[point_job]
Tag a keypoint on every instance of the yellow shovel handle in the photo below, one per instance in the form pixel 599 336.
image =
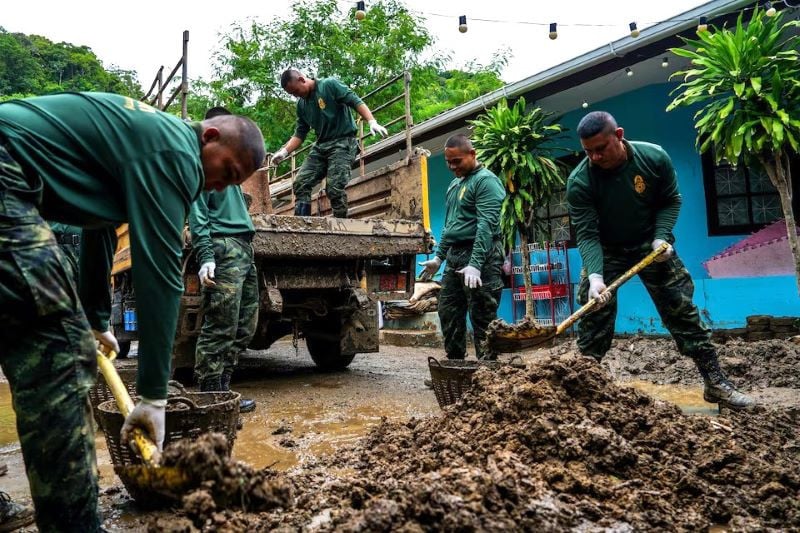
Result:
pixel 635 269
pixel 147 448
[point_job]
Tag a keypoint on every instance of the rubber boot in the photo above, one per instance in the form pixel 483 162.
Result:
pixel 246 405
pixel 13 515
pixel 717 388
pixel 302 209
pixel 210 384
pixel 340 213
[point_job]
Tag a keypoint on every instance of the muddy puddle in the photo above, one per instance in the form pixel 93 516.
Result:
pixel 8 427
pixel 688 399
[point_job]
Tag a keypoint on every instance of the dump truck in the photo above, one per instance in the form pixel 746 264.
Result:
pixel 320 278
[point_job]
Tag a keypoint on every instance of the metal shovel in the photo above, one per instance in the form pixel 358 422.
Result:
pixel 502 337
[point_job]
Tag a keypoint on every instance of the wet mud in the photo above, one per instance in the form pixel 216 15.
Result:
pixel 559 445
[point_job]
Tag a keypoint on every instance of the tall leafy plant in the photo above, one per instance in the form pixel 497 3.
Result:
pixel 516 144
pixel 747 82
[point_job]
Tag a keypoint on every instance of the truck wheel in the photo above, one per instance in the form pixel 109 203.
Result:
pixel 124 348
pixel 327 354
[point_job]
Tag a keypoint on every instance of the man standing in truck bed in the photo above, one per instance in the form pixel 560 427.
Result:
pixel 222 231
pixel 95 160
pixel 324 104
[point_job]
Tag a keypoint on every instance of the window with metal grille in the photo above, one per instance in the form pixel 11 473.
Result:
pixel 554 217
pixel 740 199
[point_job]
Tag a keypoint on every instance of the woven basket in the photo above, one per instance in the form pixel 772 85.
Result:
pixel 101 393
pixel 450 378
pixel 188 416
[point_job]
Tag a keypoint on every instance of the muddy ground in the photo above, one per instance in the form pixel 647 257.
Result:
pixel 560 445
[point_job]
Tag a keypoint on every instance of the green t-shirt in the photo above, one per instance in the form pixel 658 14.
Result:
pixel 327 110
pixel 472 214
pixel 96 160
pixel 218 213
pixel 626 207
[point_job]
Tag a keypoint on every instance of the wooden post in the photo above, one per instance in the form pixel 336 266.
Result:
pixel 409 119
pixel 185 76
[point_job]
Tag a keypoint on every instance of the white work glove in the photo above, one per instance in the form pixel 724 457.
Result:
pixel 431 266
pixel 148 415
pixel 660 258
pixel 472 277
pixel 597 290
pixel 107 340
pixel 279 156
pixel 377 129
pixel 206 274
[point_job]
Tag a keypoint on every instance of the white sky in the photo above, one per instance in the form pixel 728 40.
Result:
pixel 142 37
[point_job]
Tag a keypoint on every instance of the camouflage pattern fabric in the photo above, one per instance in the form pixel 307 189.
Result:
pixel 69 242
pixel 455 300
pixel 333 158
pixel 47 353
pixel 230 308
pixel 671 288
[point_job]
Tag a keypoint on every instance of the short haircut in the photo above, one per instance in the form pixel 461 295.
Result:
pixel 596 122
pixel 242 133
pixel 460 141
pixel 288 76
pixel 217 111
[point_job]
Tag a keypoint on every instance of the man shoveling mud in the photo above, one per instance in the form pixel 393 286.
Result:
pixel 95 160
pixel 624 201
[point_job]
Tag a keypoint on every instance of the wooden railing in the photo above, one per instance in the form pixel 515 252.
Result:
pixel 159 85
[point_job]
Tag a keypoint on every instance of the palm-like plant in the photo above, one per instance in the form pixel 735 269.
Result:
pixel 516 145
pixel 747 80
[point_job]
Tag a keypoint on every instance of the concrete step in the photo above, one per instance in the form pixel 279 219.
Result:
pixel 410 337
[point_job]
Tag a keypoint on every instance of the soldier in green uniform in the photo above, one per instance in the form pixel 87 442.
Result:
pixel 222 231
pixel 95 160
pixel 471 245
pixel 624 201
pixel 324 104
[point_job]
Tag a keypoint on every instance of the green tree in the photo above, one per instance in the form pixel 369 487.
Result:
pixel 321 40
pixel 516 144
pixel 747 82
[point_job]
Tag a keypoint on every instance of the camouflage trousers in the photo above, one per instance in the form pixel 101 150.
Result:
pixel 230 308
pixel 47 353
pixel 455 300
pixel 71 252
pixel 332 158
pixel 671 289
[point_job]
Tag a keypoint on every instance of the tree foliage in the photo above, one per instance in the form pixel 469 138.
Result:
pixel 321 40
pixel 746 81
pixel 516 144
pixel 32 65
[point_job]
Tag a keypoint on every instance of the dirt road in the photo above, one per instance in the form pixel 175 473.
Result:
pixel 308 425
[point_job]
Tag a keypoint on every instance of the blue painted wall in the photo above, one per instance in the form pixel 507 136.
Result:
pixel 724 303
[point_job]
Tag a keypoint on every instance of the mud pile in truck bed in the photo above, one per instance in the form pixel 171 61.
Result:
pixel 556 446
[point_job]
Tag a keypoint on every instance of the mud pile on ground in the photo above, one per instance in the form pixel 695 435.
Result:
pixel 556 446
pixel 756 364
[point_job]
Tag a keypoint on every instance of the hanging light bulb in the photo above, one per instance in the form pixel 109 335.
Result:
pixel 665 62
pixel 634 30
pixel 462 24
pixel 553 31
pixel 361 10
pixel 628 71
pixel 703 25
pixel 585 104
pixel 770 9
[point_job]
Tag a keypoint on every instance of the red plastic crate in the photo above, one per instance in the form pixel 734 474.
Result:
pixel 545 291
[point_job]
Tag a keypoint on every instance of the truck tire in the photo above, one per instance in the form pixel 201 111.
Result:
pixel 327 354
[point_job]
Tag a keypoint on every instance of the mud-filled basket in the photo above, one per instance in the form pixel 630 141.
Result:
pixel 188 415
pixel 450 378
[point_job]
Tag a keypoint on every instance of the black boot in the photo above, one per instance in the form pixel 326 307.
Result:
pixel 246 405
pixel 210 384
pixel 302 209
pixel 13 515
pixel 340 213
pixel 717 387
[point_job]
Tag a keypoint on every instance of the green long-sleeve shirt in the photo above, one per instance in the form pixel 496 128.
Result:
pixel 327 110
pixel 625 207
pixel 472 214
pixel 217 213
pixel 97 160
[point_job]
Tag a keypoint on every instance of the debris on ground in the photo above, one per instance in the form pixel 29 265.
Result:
pixel 556 446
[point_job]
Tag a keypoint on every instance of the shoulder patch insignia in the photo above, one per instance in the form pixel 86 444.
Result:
pixel 321 103
pixel 638 184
